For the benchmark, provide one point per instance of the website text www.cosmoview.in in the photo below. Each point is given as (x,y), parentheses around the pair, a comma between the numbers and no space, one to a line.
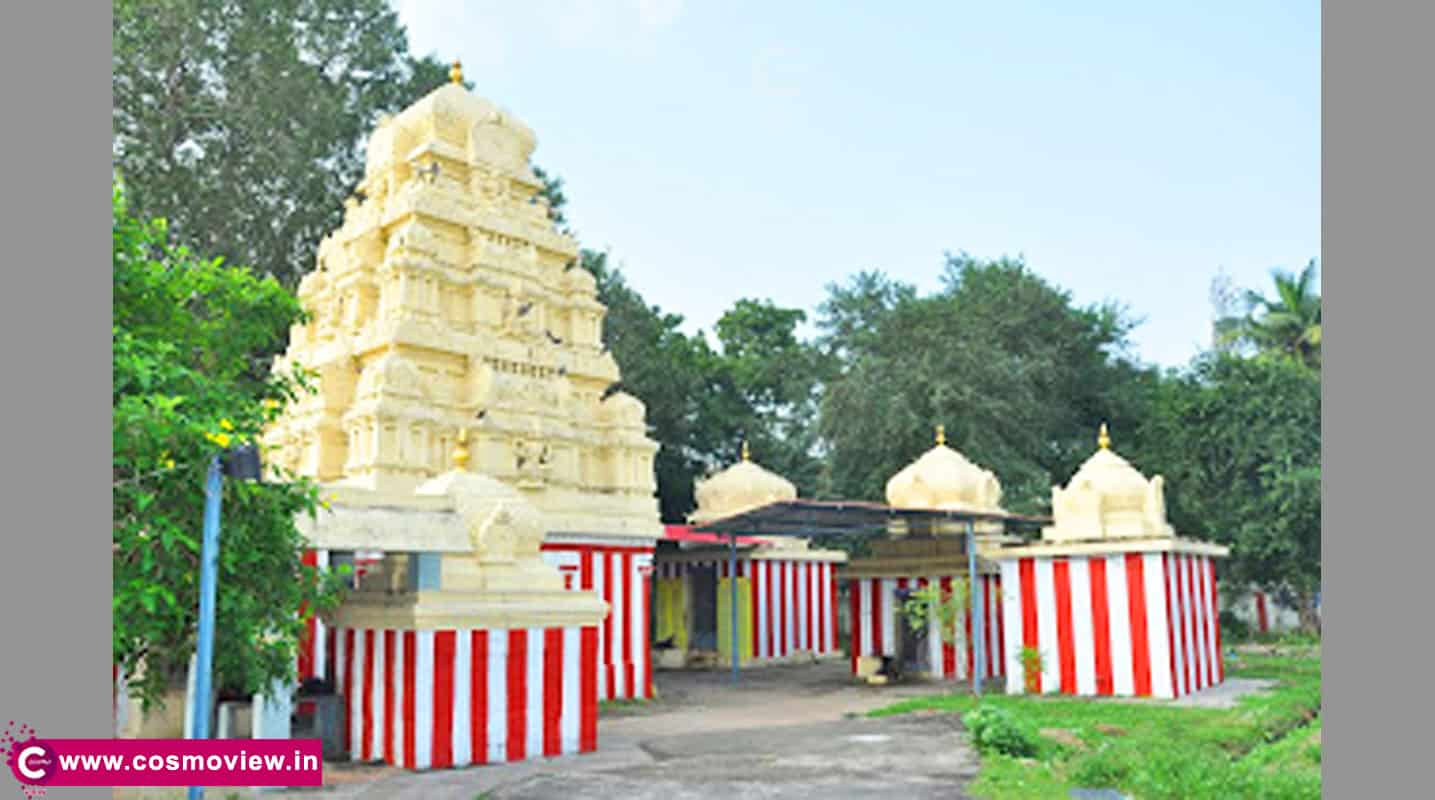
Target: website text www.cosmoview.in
(168,762)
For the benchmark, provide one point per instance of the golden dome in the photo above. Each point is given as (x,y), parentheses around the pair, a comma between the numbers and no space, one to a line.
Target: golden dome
(943,479)
(741,487)
(1108,498)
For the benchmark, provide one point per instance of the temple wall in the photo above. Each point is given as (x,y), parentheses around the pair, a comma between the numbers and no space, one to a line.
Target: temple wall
(876,616)
(787,608)
(1126,624)
(450,698)
(621,575)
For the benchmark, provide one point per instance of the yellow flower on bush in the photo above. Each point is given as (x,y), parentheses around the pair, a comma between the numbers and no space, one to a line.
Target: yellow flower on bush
(226,424)
(221,439)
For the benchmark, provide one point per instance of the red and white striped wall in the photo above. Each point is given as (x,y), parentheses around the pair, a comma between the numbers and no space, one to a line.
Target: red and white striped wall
(794,603)
(314,642)
(620,574)
(1126,624)
(875,617)
(794,607)
(449,698)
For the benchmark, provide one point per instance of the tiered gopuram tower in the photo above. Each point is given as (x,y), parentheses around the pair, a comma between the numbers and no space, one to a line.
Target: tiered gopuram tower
(448,300)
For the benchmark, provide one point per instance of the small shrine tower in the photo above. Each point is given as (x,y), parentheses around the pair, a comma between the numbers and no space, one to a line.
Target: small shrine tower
(942,479)
(787,591)
(1112,600)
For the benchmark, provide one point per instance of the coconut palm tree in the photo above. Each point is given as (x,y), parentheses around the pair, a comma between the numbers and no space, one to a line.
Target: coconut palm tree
(1287,323)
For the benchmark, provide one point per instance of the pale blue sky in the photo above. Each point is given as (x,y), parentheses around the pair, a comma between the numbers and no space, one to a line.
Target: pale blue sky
(726,150)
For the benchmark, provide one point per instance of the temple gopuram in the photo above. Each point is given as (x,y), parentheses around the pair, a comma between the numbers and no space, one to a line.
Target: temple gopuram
(468,429)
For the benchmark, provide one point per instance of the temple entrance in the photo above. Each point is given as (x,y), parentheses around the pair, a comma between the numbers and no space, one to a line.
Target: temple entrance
(913,646)
(704,598)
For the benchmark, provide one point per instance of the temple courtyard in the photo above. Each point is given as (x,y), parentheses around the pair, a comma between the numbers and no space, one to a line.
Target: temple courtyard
(809,731)
(790,731)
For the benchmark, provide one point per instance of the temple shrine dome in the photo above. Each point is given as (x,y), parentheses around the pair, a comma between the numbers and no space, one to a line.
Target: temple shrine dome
(943,479)
(741,487)
(1108,498)
(453,122)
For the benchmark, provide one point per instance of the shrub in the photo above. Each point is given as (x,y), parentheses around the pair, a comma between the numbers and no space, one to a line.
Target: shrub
(1109,767)
(1032,665)
(1233,628)
(995,730)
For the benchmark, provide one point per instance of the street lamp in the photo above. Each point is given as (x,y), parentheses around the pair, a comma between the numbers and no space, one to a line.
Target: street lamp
(240,463)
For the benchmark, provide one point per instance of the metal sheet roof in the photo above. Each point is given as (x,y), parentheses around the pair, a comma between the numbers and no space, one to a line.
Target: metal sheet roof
(816,518)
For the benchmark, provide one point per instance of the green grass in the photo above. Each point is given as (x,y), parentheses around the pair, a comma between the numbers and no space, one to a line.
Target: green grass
(1267,747)
(626,704)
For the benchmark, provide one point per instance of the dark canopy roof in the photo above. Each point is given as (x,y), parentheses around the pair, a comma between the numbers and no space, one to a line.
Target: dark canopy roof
(815,518)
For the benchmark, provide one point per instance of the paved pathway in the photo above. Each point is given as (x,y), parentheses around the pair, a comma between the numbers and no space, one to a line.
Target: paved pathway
(784,732)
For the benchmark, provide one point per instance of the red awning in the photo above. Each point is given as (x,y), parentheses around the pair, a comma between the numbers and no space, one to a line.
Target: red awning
(685,533)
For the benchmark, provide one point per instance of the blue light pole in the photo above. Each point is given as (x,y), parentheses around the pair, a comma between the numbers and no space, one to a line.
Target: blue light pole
(976,607)
(208,577)
(242,463)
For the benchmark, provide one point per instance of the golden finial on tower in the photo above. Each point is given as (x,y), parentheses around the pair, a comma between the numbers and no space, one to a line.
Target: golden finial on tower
(941,435)
(1103,440)
(746,456)
(460,451)
(455,72)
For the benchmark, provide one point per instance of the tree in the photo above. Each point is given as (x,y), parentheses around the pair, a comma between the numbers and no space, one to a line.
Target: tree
(761,386)
(552,192)
(241,123)
(1019,375)
(767,390)
(1287,323)
(1238,440)
(190,379)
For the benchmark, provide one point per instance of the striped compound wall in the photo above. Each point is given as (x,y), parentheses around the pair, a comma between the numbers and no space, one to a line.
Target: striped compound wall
(786,607)
(1129,624)
(795,604)
(875,619)
(620,574)
(450,698)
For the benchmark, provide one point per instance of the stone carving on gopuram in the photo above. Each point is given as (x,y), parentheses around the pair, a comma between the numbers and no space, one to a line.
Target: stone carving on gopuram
(448,300)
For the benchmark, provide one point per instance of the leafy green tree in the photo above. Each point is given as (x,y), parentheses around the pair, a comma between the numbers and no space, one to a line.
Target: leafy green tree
(1238,440)
(767,391)
(1287,322)
(188,381)
(552,192)
(1020,376)
(241,123)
